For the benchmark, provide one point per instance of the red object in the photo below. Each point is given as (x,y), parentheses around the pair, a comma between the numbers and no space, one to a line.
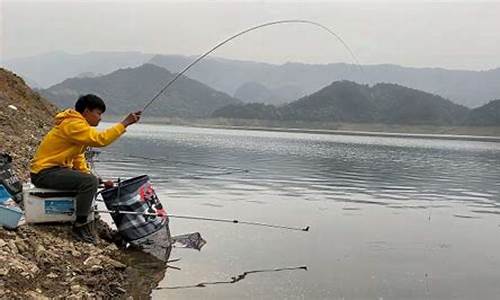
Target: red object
(148,195)
(109,184)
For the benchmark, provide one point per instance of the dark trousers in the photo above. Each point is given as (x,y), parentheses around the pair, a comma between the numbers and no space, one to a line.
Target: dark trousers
(66,179)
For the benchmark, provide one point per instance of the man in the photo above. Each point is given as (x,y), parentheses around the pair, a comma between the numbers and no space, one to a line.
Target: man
(59,161)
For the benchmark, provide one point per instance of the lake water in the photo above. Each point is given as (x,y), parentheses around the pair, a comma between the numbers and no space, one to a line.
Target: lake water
(391,218)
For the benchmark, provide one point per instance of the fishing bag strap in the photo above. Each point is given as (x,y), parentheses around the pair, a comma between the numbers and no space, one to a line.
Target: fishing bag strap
(8,179)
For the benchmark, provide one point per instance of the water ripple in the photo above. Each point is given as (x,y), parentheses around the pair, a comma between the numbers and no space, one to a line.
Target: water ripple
(392,172)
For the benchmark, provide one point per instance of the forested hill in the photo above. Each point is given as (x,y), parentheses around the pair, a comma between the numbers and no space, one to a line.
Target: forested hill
(130,89)
(486,115)
(346,101)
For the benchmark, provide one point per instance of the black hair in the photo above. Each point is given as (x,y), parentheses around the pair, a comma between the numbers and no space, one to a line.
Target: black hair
(91,102)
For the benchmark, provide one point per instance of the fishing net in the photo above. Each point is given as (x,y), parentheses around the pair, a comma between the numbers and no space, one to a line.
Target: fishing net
(189,240)
(135,195)
(158,244)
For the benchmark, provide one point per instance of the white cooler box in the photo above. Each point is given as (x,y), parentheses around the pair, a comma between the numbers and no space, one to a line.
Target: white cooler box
(47,205)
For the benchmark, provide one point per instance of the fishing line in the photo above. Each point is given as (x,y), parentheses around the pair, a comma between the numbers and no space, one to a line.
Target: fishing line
(174,161)
(223,170)
(246,31)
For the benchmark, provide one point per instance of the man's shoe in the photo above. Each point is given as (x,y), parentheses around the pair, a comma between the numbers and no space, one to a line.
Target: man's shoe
(83,232)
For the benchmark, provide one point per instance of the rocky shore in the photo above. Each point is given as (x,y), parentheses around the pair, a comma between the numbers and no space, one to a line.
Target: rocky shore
(44,261)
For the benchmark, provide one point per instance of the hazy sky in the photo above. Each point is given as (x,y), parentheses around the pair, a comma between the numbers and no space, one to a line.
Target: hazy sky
(457,35)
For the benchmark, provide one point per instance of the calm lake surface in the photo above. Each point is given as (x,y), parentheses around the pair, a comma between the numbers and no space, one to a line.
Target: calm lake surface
(391,218)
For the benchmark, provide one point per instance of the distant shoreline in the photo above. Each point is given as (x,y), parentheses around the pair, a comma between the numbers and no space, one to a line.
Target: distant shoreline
(364,133)
(461,133)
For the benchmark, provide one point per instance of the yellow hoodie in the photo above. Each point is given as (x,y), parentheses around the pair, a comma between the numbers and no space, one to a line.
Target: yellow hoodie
(65,144)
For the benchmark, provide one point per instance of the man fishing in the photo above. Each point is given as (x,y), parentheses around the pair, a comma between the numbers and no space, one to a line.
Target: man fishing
(59,162)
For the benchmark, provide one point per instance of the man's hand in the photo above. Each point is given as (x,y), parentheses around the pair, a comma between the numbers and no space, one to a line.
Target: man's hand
(108,184)
(132,118)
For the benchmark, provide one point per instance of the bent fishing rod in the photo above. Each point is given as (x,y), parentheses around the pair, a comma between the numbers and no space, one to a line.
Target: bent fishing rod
(246,31)
(202,219)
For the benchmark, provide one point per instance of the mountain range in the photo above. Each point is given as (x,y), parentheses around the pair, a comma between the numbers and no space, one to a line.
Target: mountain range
(266,83)
(291,81)
(129,89)
(346,101)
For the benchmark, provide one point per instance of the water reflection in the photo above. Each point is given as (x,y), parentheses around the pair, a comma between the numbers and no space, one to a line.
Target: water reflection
(146,274)
(233,279)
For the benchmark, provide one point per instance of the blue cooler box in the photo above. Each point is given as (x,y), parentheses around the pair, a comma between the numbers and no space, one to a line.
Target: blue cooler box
(10,216)
(4,194)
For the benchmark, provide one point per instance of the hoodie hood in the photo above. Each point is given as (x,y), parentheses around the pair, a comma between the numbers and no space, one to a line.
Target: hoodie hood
(68,114)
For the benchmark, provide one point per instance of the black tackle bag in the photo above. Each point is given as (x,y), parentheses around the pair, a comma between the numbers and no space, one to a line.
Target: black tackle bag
(9,183)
